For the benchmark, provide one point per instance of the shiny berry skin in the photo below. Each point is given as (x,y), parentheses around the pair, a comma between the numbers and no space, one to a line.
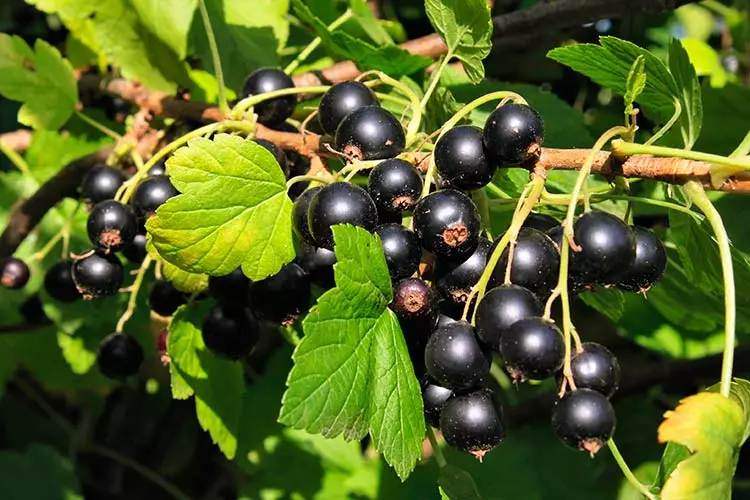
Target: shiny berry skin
(370,133)
(542,222)
(395,185)
(454,358)
(595,368)
(98,275)
(444,319)
(277,153)
(299,214)
(318,264)
(159,168)
(607,248)
(414,300)
(271,111)
(14,273)
(283,297)
(500,308)
(111,226)
(649,263)
(584,420)
(101,183)
(533,349)
(59,284)
(460,159)
(136,251)
(513,134)
(401,248)
(164,298)
(447,223)
(454,278)
(230,290)
(230,332)
(339,203)
(472,423)
(342,99)
(434,397)
(535,265)
(119,356)
(151,193)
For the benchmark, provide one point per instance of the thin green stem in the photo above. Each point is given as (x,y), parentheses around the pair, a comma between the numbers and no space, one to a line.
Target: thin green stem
(292,66)
(698,196)
(435,79)
(16,159)
(466,110)
(248,102)
(62,234)
(479,196)
(642,488)
(392,98)
(622,148)
(134,294)
(428,176)
(305,178)
(98,126)
(495,189)
(416,108)
(743,148)
(436,450)
(667,126)
(290,335)
(215,57)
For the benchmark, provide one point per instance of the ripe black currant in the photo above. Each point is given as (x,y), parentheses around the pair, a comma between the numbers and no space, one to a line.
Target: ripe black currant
(230,290)
(318,264)
(59,284)
(101,183)
(434,397)
(370,133)
(649,263)
(230,332)
(111,226)
(339,203)
(283,297)
(595,368)
(584,420)
(533,349)
(500,308)
(607,248)
(454,357)
(340,100)
(535,264)
(159,168)
(14,273)
(119,356)
(447,222)
(576,282)
(460,159)
(98,275)
(542,222)
(444,319)
(136,251)
(164,298)
(454,278)
(401,248)
(117,109)
(395,185)
(512,134)
(264,80)
(299,214)
(277,153)
(472,423)
(414,300)
(151,193)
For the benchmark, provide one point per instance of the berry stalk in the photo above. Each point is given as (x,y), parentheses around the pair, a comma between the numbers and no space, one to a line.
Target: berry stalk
(134,294)
(642,488)
(248,102)
(310,48)
(16,159)
(439,457)
(215,58)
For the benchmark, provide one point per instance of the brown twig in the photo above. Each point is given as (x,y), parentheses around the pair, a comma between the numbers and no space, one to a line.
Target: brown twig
(19,140)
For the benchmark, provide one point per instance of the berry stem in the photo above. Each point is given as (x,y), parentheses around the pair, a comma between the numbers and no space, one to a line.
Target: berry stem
(479,196)
(98,126)
(416,108)
(302,178)
(492,96)
(63,234)
(310,48)
(743,148)
(436,450)
(667,126)
(622,148)
(642,488)
(698,196)
(134,294)
(435,79)
(215,58)
(241,108)
(16,159)
(495,190)
(290,335)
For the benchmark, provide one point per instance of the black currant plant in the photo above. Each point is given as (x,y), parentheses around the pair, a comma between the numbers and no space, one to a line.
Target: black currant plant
(364,275)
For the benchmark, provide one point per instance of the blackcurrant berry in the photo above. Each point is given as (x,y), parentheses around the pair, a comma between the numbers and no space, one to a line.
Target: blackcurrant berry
(434,397)
(607,248)
(460,159)
(318,264)
(101,183)
(395,186)
(414,300)
(14,273)
(151,193)
(283,297)
(447,223)
(500,308)
(542,222)
(159,168)
(533,349)
(472,423)
(111,226)
(649,263)
(32,311)
(164,298)
(278,109)
(584,420)
(342,99)
(230,290)
(454,357)
(535,264)
(136,251)
(117,109)
(444,319)
(595,368)
(339,203)
(454,278)
(98,275)
(576,283)
(401,248)
(299,214)
(277,153)
(513,134)
(230,332)
(59,284)
(119,356)
(370,133)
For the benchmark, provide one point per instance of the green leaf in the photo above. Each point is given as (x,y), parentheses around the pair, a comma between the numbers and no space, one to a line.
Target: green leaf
(466,28)
(233,210)
(40,473)
(691,119)
(724,120)
(608,301)
(635,83)
(440,108)
(185,281)
(457,484)
(172,29)
(41,79)
(370,24)
(50,151)
(352,372)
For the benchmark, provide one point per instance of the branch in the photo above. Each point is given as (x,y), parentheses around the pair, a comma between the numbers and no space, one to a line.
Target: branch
(19,140)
